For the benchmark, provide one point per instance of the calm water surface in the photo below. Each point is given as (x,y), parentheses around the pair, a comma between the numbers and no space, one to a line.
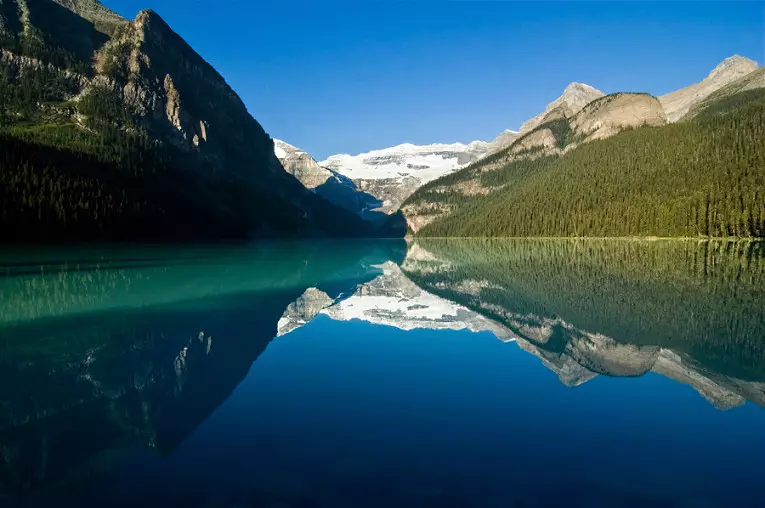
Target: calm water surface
(354,374)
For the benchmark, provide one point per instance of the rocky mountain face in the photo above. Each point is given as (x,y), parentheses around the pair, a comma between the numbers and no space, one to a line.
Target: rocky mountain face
(138,88)
(678,103)
(301,165)
(503,140)
(753,82)
(575,97)
(393,174)
(328,184)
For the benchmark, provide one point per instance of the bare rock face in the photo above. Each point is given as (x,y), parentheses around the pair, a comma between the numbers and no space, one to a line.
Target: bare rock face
(301,165)
(329,184)
(612,114)
(574,98)
(503,140)
(543,139)
(677,104)
(752,81)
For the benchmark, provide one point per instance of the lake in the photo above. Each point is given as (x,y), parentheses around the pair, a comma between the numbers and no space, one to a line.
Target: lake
(438,373)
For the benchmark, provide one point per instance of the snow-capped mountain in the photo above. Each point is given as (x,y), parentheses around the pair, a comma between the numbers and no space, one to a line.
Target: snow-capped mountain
(330,185)
(393,174)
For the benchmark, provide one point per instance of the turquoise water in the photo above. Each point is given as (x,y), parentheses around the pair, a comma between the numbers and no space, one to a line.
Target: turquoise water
(438,373)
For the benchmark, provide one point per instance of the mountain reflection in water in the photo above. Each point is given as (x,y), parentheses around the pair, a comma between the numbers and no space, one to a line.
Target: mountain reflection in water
(109,353)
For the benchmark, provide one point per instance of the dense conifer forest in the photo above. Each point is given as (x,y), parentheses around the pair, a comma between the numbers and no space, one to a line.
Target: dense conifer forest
(702,177)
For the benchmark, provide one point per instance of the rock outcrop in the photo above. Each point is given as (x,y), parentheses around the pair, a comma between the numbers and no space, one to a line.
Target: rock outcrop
(329,184)
(503,140)
(574,98)
(610,115)
(749,83)
(678,103)
(301,165)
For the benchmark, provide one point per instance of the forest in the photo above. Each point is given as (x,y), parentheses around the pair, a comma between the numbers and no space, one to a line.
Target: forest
(702,177)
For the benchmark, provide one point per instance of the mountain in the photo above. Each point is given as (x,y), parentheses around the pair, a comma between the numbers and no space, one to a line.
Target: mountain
(392,174)
(331,185)
(641,178)
(503,140)
(754,81)
(575,97)
(115,129)
(678,103)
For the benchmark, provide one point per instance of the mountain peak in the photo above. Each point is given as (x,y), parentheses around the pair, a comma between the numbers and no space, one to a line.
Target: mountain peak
(737,65)
(678,103)
(575,96)
(576,86)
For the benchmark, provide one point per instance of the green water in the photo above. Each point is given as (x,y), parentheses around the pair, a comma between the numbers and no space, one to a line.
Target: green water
(438,373)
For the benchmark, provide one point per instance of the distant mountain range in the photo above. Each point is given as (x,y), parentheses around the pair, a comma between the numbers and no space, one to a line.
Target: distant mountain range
(581,114)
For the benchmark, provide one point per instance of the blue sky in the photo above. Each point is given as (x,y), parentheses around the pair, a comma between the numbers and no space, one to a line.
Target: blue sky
(351,77)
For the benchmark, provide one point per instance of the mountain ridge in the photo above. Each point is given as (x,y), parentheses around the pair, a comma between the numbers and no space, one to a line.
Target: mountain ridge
(185,158)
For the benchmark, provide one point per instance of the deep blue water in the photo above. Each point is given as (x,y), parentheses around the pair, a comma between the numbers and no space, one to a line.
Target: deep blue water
(170,400)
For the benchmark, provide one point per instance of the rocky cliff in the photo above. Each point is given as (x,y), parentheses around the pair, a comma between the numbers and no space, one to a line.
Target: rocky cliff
(677,104)
(575,96)
(329,184)
(183,154)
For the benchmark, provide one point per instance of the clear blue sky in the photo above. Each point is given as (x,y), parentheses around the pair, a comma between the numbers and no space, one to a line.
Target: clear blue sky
(347,78)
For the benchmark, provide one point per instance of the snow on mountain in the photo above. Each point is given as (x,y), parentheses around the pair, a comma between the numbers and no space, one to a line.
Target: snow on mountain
(425,163)
(393,174)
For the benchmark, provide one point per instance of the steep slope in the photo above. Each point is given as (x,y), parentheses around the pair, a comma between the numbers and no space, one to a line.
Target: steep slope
(648,181)
(328,184)
(575,96)
(301,165)
(677,104)
(393,174)
(503,140)
(753,82)
(117,130)
(602,118)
